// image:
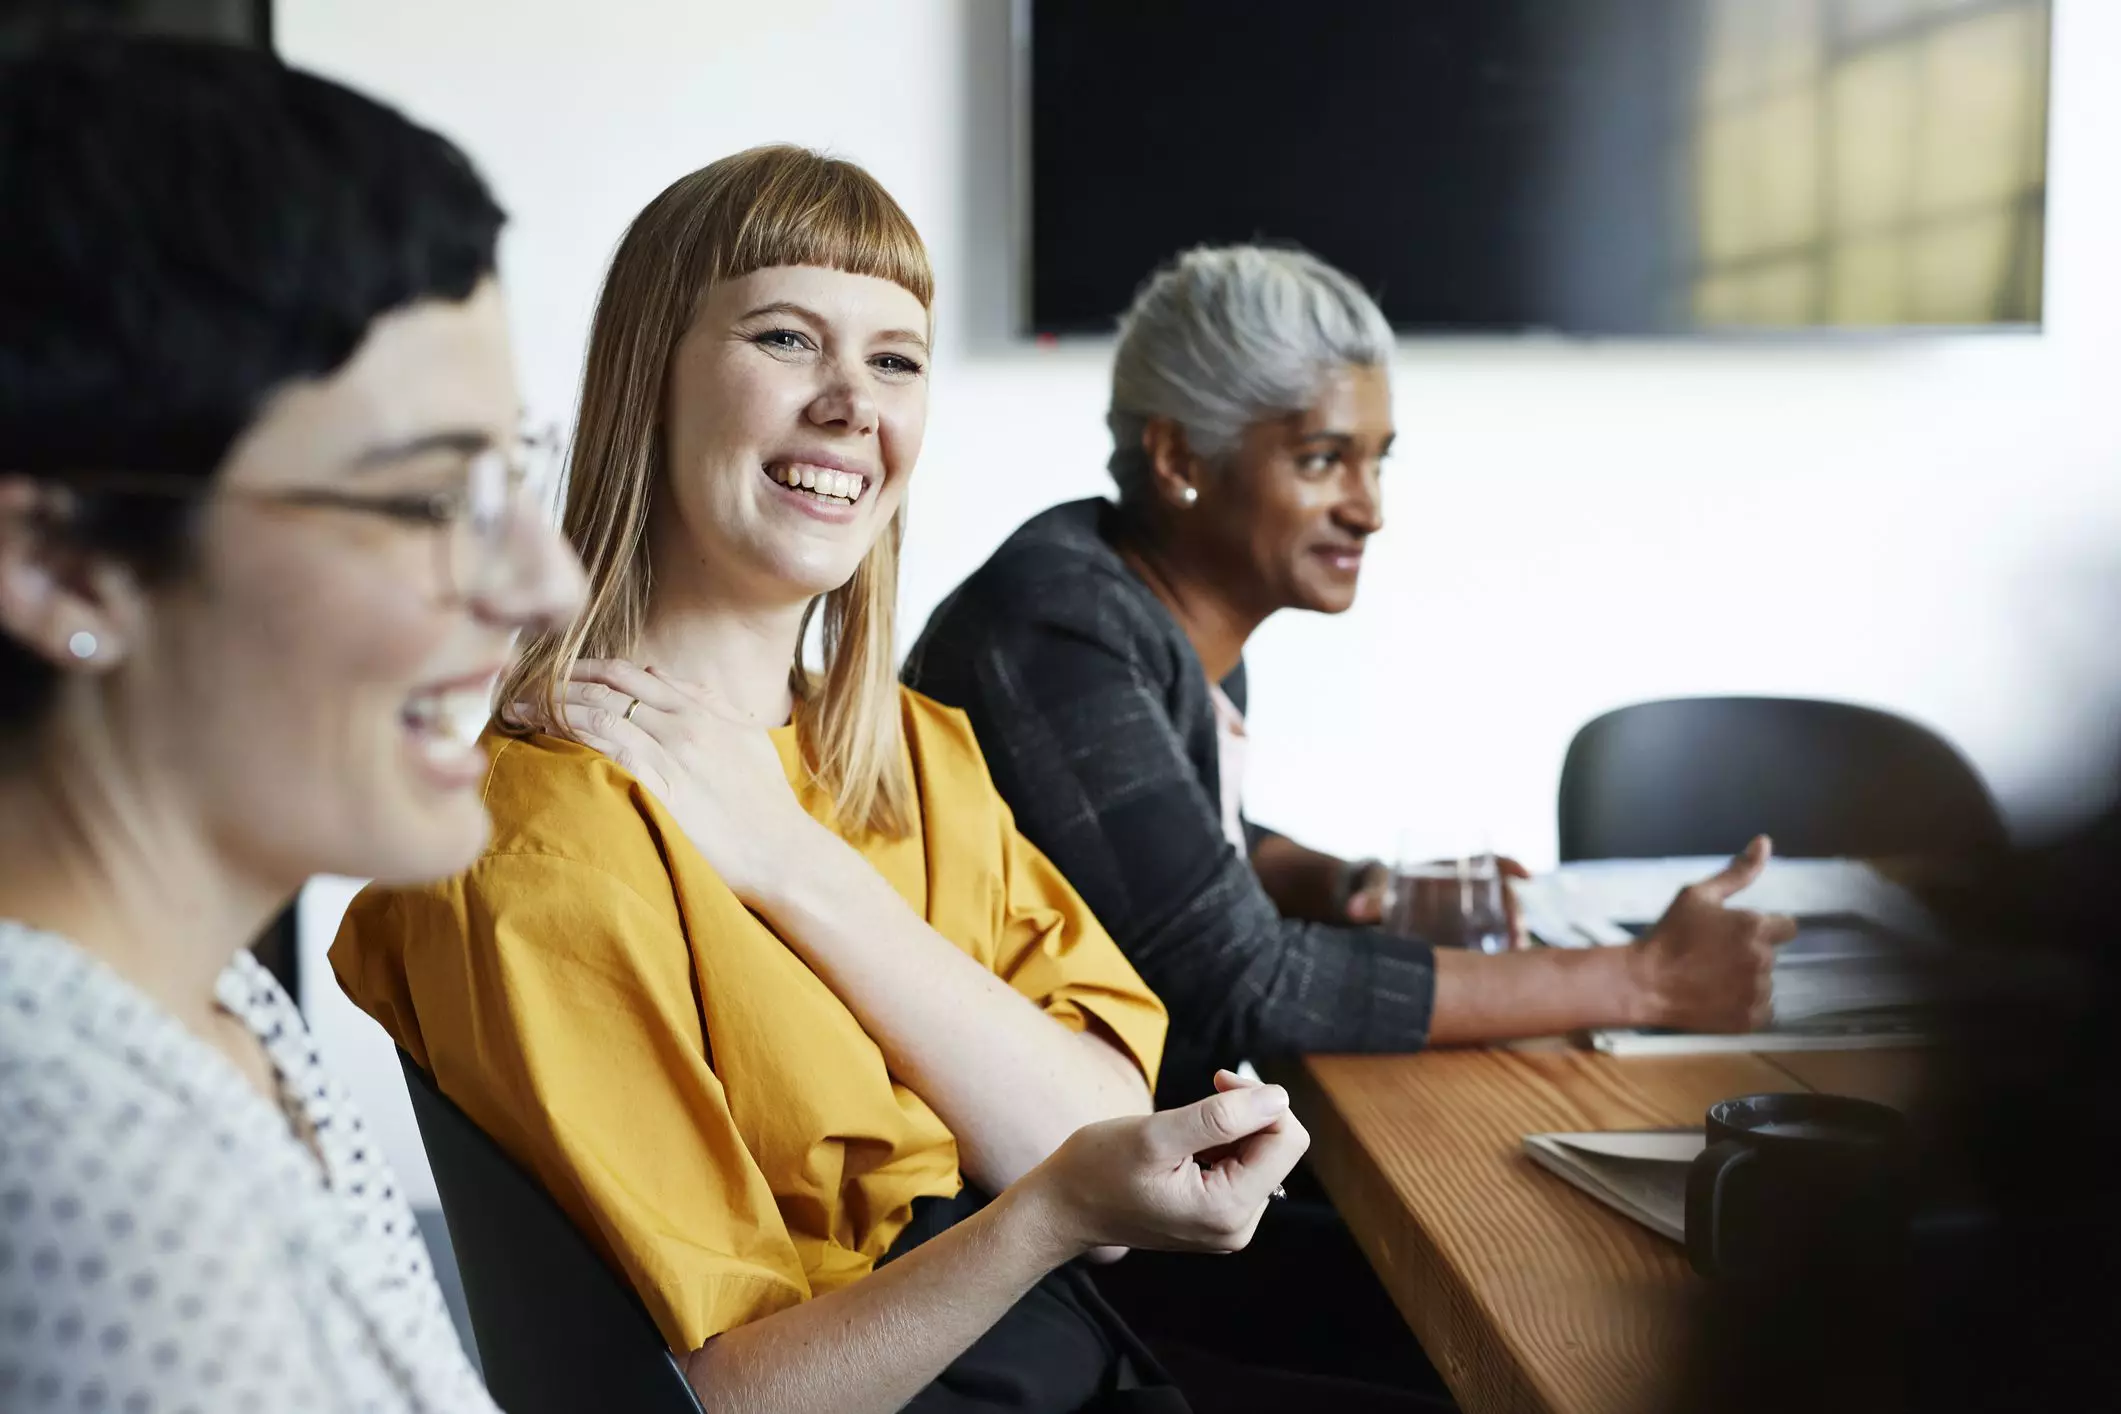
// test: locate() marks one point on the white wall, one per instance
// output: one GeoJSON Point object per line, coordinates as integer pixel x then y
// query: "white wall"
{"type": "Point", "coordinates": [1929, 525]}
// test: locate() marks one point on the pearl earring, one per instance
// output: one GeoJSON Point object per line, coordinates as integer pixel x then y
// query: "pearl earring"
{"type": "Point", "coordinates": [82, 645]}
{"type": "Point", "coordinates": [1189, 495]}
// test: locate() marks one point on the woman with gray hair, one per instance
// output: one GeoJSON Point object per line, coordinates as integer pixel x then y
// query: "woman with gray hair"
{"type": "Point", "coordinates": [1099, 655]}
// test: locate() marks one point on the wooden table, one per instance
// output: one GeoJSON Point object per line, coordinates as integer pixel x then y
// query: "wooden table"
{"type": "Point", "coordinates": [1528, 1294]}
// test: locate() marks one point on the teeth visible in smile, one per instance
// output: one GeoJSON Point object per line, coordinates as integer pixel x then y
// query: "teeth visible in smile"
{"type": "Point", "coordinates": [449, 721]}
{"type": "Point", "coordinates": [822, 482]}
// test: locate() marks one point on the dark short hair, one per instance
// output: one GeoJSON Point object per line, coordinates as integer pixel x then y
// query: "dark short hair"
{"type": "Point", "coordinates": [185, 228]}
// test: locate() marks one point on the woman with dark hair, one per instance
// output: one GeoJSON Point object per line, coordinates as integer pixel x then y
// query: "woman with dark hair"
{"type": "Point", "coordinates": [265, 535]}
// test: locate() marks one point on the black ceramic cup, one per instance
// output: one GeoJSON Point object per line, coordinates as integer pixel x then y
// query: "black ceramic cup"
{"type": "Point", "coordinates": [1826, 1172]}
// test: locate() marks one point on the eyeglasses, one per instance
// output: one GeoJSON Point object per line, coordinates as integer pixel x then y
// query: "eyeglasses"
{"type": "Point", "coordinates": [482, 529]}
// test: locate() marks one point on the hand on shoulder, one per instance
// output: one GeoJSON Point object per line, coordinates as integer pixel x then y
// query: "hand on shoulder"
{"type": "Point", "coordinates": [720, 776]}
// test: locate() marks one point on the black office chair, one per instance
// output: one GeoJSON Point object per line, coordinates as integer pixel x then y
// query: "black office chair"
{"type": "Point", "coordinates": [1825, 779]}
{"type": "Point", "coordinates": [558, 1332]}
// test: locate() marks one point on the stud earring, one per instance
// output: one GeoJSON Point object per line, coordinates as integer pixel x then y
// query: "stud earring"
{"type": "Point", "coordinates": [1189, 495]}
{"type": "Point", "coordinates": [82, 645]}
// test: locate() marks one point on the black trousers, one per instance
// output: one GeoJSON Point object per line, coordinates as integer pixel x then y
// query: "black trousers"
{"type": "Point", "coordinates": [1298, 1320]}
{"type": "Point", "coordinates": [1062, 1349]}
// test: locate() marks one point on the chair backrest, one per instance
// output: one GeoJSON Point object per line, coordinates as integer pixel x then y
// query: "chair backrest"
{"type": "Point", "coordinates": [558, 1331]}
{"type": "Point", "coordinates": [1825, 779]}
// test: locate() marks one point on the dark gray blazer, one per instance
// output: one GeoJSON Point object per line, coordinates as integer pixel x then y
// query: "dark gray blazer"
{"type": "Point", "coordinates": [1094, 715]}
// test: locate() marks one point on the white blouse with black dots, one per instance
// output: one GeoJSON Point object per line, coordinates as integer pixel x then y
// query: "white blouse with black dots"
{"type": "Point", "coordinates": [167, 1243]}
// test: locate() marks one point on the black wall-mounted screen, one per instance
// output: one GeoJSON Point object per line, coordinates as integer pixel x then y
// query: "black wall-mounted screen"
{"type": "Point", "coordinates": [25, 23]}
{"type": "Point", "coordinates": [1589, 166]}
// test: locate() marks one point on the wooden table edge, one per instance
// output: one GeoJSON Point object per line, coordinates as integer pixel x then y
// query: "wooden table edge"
{"type": "Point", "coordinates": [1456, 1348]}
{"type": "Point", "coordinates": [1482, 1365]}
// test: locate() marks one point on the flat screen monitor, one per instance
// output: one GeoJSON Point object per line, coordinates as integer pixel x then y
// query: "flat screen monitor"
{"type": "Point", "coordinates": [1601, 167]}
{"type": "Point", "coordinates": [27, 23]}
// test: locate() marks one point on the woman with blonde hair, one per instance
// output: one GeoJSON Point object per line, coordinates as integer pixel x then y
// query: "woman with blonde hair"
{"type": "Point", "coordinates": [757, 975]}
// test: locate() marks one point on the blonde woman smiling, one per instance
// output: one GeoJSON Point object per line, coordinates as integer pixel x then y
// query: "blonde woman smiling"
{"type": "Point", "coordinates": [757, 975]}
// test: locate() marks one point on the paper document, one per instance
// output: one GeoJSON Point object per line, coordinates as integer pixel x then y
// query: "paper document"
{"type": "Point", "coordinates": [1641, 1173]}
{"type": "Point", "coordinates": [1867, 1035]}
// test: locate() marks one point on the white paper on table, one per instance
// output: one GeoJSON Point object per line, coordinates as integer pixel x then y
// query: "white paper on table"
{"type": "Point", "coordinates": [1675, 1146]}
{"type": "Point", "coordinates": [1642, 1173]}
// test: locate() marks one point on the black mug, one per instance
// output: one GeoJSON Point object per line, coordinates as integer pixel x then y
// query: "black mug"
{"type": "Point", "coordinates": [1817, 1179]}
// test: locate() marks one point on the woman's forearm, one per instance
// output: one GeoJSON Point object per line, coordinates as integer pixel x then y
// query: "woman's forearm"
{"type": "Point", "coordinates": [1304, 883]}
{"type": "Point", "coordinates": [1704, 967]}
{"type": "Point", "coordinates": [1540, 992]}
{"type": "Point", "coordinates": [1009, 1081]}
{"type": "Point", "coordinates": [875, 1344]}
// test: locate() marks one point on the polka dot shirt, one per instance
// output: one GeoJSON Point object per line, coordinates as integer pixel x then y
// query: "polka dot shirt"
{"type": "Point", "coordinates": [167, 1244]}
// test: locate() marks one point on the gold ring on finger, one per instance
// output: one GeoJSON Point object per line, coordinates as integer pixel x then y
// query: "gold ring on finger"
{"type": "Point", "coordinates": [631, 708]}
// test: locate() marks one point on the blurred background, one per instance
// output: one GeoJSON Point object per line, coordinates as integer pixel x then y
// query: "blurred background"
{"type": "Point", "coordinates": [1753, 346]}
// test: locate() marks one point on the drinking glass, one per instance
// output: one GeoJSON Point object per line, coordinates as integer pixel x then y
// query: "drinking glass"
{"type": "Point", "coordinates": [1453, 903]}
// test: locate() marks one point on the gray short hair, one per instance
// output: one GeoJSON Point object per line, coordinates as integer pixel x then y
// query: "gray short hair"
{"type": "Point", "coordinates": [1226, 336]}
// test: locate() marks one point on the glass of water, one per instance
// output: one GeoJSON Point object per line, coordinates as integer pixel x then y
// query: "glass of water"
{"type": "Point", "coordinates": [1453, 903]}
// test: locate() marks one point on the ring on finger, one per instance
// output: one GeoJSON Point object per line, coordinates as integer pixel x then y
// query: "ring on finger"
{"type": "Point", "coordinates": [631, 708]}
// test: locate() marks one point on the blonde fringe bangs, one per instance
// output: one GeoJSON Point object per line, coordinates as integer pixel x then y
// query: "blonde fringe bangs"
{"type": "Point", "coordinates": [767, 207]}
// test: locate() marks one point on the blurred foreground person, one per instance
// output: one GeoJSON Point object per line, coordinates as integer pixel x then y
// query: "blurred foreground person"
{"type": "Point", "coordinates": [2007, 1295]}
{"type": "Point", "coordinates": [265, 536]}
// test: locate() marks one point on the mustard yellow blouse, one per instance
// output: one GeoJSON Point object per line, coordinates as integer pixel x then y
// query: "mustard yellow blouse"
{"type": "Point", "coordinates": [688, 1090]}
